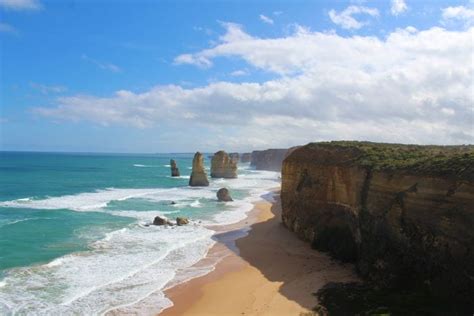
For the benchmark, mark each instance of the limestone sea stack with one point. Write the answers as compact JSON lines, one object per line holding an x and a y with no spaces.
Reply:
{"x":198,"y":174}
{"x":174,"y":168}
{"x":403,"y":213}
{"x":222,"y":166}
{"x":223,"y":195}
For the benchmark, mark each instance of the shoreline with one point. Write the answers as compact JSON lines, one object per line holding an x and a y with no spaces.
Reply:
{"x":262,"y":269}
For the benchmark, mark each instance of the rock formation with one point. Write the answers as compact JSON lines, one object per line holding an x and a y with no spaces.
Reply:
{"x":223,"y":195}
{"x":270,"y":159}
{"x":222,"y":166}
{"x":245,"y":157}
{"x":234,"y":157}
{"x":198,"y":174}
{"x":174,"y":168}
{"x":160,"y":221}
{"x":180,"y":221}
{"x":403,"y":213}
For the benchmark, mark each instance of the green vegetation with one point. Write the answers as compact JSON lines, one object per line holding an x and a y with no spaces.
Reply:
{"x":455,"y":161}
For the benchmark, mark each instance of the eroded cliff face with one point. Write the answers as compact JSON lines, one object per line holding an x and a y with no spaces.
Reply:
{"x":245,"y":157}
{"x":269,"y":159}
{"x":401,"y":227}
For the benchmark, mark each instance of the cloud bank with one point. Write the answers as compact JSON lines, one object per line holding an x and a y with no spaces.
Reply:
{"x":411,"y":86}
{"x":20,"y":5}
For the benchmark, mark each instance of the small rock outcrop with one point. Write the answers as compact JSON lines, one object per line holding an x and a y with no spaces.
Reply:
{"x":223,"y":195}
{"x":174,"y":168}
{"x":245,"y":157}
{"x":180,"y":221}
{"x":222,"y":166}
{"x":160,"y":221}
{"x":198,"y":174}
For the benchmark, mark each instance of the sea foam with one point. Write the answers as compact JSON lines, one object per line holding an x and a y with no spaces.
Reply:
{"x":127,"y":270}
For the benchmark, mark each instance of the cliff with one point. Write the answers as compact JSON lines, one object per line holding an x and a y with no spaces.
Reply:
{"x":403,"y":213}
{"x":270,"y":159}
{"x":245,"y":157}
{"x":223,"y":166}
{"x":198,"y":174}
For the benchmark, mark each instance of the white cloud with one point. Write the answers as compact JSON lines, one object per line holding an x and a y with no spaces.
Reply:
{"x":459,"y":13}
{"x":412,"y":86}
{"x":277,"y":13}
{"x":346,"y":20}
{"x":398,"y":7}
{"x":47,"y":89}
{"x":7,"y":28}
{"x":265,"y":19}
{"x":239,"y":73}
{"x":102,"y":65}
{"x":20,"y":5}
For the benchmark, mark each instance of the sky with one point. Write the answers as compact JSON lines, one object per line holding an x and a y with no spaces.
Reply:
{"x":180,"y":76}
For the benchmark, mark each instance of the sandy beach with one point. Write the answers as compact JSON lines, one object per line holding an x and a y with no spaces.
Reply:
{"x":269,"y":271}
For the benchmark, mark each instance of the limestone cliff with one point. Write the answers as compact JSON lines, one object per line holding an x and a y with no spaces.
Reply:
{"x":245,"y":157}
{"x":270,"y":159}
{"x":198,"y":174}
{"x":223,"y":166}
{"x":404,"y":214}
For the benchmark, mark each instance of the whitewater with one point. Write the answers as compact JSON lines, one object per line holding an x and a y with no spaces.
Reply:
{"x":87,"y":247}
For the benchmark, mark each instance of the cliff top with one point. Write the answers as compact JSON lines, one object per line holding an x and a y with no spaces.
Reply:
{"x":434,"y":160}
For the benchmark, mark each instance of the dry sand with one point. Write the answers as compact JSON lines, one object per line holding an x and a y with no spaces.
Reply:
{"x":268,"y":272}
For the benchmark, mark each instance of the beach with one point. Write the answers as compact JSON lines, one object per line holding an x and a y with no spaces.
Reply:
{"x":268,"y":271}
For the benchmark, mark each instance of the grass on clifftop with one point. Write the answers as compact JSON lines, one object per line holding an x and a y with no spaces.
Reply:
{"x":439,"y":160}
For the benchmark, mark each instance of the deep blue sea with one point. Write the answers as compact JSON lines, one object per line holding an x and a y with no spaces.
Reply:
{"x":74,"y":233}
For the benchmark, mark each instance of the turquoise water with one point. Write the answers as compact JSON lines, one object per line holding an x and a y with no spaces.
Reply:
{"x":74,"y":233}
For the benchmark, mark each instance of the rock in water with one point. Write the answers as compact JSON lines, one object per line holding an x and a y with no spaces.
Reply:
{"x":174,"y":168}
{"x":198,"y":175}
{"x":159,"y":221}
{"x":223,"y":195}
{"x":180,"y":221}
{"x":222,"y":166}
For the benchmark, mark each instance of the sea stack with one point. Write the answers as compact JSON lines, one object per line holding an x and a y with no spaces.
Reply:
{"x":222,"y":166}
{"x":174,"y":168}
{"x":198,"y":175}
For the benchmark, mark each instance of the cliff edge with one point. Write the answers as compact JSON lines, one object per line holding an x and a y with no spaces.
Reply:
{"x":403,"y":213}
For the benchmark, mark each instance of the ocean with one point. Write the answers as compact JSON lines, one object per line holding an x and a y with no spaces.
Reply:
{"x":75,"y":235}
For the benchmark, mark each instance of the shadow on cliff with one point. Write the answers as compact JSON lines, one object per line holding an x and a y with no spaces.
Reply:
{"x":281,"y":257}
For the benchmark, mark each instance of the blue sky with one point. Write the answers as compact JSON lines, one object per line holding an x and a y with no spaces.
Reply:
{"x":167,"y":76}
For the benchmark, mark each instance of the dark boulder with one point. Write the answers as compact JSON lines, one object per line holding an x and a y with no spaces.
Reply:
{"x":223,"y":195}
